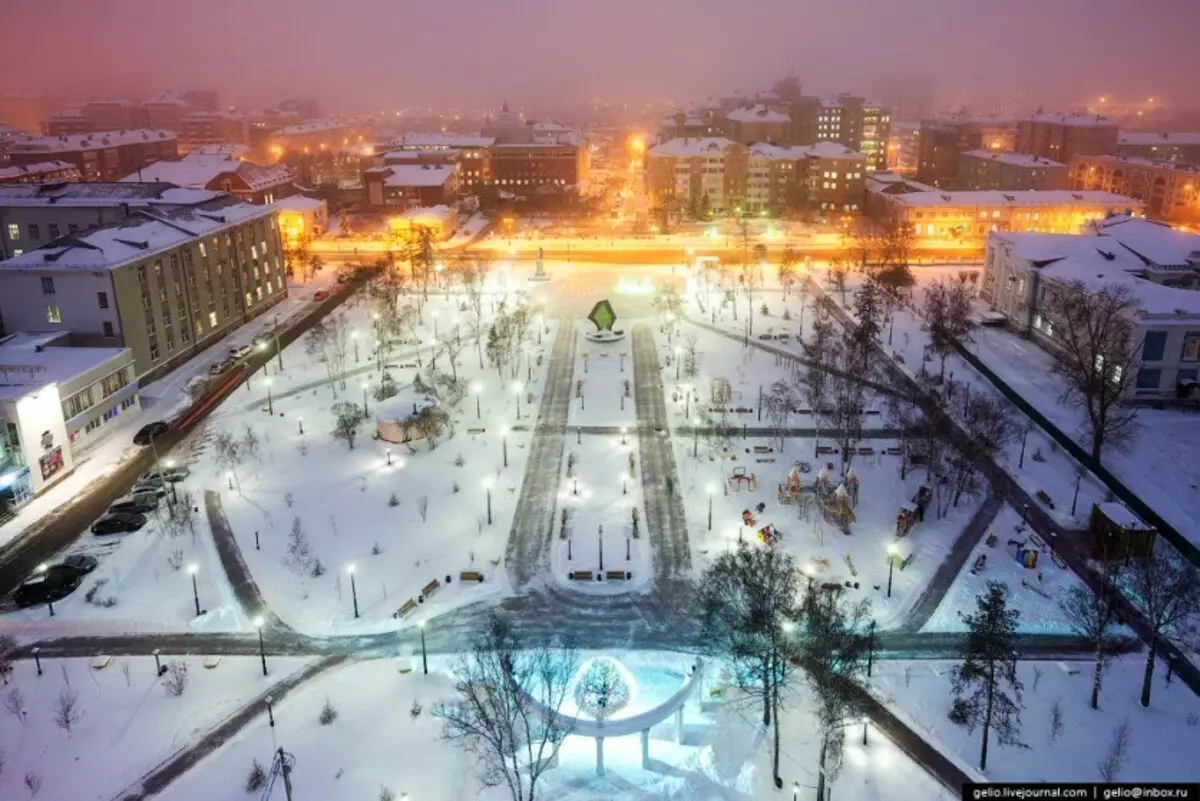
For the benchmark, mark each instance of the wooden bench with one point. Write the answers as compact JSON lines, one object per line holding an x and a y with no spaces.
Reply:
{"x":763,"y":449}
{"x":408,"y":606}
{"x":580,"y":575}
{"x":617,"y":575}
{"x":1044,"y":498}
{"x":769,"y":460}
{"x":430,"y":588}
{"x":471,"y":575}
{"x":894,"y":451}
{"x":826,"y":450}
{"x":476,"y":430}
{"x":866,"y":451}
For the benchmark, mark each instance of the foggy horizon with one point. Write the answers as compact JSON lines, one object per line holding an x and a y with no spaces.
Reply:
{"x":360,"y":56}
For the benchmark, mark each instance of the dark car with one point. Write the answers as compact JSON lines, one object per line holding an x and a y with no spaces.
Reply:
{"x":51,"y":584}
{"x":80,"y":563}
{"x":149,"y":432}
{"x":137,"y":504}
{"x":118,"y":523}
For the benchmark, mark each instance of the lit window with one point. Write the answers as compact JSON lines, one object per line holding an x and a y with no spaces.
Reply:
{"x":14,"y":232}
{"x":53,"y":315}
{"x":212,"y":319}
{"x":203,"y":251}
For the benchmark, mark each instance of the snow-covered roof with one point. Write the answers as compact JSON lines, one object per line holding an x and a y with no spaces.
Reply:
{"x":418,"y":174}
{"x":90,"y":141}
{"x":167,"y":98}
{"x":1029,"y":197}
{"x":430,"y":213}
{"x":102,"y":194}
{"x":549,"y":126}
{"x":299,"y":203}
{"x":1118,"y":513}
{"x":1156,"y":243}
{"x":315,"y":126}
{"x":406,"y":405}
{"x":1074,"y":119}
{"x":1152,"y":138}
{"x":223,"y":149}
{"x":41,"y":168}
{"x":1097,"y":261}
{"x":200,"y":169}
{"x":691,"y":146}
{"x":58,"y":363}
{"x":827,"y":149}
{"x":1015,"y":159}
{"x":142,"y":234}
{"x":1137,"y":161}
{"x":440,"y":141}
{"x":757,"y":114}
{"x":823,"y":149}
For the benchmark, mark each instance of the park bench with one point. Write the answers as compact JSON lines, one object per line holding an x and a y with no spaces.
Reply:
{"x":895,"y":451}
{"x":580,"y":575}
{"x":617,"y":575}
{"x":476,"y":430}
{"x":430,"y":588}
{"x":826,"y":450}
{"x":408,"y":606}
{"x":1044,"y":498}
{"x":866,"y":451}
{"x":471,"y":575}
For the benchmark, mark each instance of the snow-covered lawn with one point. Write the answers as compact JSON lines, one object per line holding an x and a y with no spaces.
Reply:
{"x":124,"y":726}
{"x":436,"y":527}
{"x":1162,"y":742}
{"x":376,"y":742}
{"x":1036,"y":592}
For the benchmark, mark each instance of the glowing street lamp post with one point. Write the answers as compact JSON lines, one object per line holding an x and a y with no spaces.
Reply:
{"x":192,"y":569}
{"x":354,"y":336}
{"x":517,"y":387}
{"x":710,"y":497}
{"x":262,"y":649}
{"x":487,"y":485}
{"x":892,"y":550}
{"x":270,"y":402}
{"x":504,"y":443}
{"x":42,"y":568}
{"x":353,"y":589}
{"x":424,"y":656}
{"x":477,"y":388}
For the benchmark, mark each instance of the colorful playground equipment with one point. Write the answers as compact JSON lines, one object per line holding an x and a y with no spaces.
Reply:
{"x":768,"y":535}
{"x":739,"y":476}
{"x":1026,"y":557}
{"x":913,"y":511}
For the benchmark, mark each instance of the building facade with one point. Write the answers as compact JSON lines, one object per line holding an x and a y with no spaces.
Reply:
{"x":1058,"y":138}
{"x":1021,"y":272}
{"x":757,"y":123}
{"x":983,"y":169}
{"x":100,"y":156}
{"x":1183,"y":148}
{"x":200,"y":129}
{"x":532,"y":166}
{"x":46,"y":172}
{"x":245,"y":180}
{"x":969,"y":217}
{"x":411,"y":185}
{"x":165,"y":285}
{"x":1169,"y":190}
{"x":939,"y":144}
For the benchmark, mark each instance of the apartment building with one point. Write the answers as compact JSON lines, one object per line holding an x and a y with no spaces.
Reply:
{"x":44,"y":172}
{"x":1058,"y":138}
{"x":970,"y":216}
{"x":100,"y":156}
{"x":984,"y":169}
{"x":165,"y":111}
{"x":697,"y":175}
{"x":66,"y":122}
{"x":471,"y":153}
{"x":939,"y":144}
{"x":1169,"y":190}
{"x":757,"y":123}
{"x":530,"y":166}
{"x":165,"y":284}
{"x":200,"y":129}
{"x":1021,"y":271}
{"x":32,"y":215}
{"x":411,"y":185}
{"x":245,"y":180}
{"x":1183,"y":148}
{"x":704,"y":122}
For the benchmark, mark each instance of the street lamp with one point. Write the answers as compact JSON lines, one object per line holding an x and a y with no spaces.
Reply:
{"x":711,"y":489}
{"x":262,"y":649}
{"x":624,"y":483}
{"x":476,"y":388}
{"x":270,"y":711}
{"x":229,"y":477}
{"x":517,"y":387}
{"x":623,"y":430}
{"x":195,"y":589}
{"x":487,"y":485}
{"x":504,"y":443}
{"x":300,"y":422}
{"x":353,"y":589}
{"x":424,"y":656}
{"x":42,"y":568}
{"x":388,"y":451}
{"x":354,"y":337}
{"x":893,"y":549}
{"x":678,"y":358}
{"x":270,"y":405}
{"x":365,"y":409}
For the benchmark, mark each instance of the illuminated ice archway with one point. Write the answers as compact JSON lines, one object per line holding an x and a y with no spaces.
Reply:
{"x":604,"y":726}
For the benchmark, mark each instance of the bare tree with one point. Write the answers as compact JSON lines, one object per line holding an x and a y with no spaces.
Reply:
{"x":869,"y":312}
{"x":819,"y":349}
{"x":948,"y":315}
{"x":338,"y":344}
{"x":511,"y":690}
{"x":1113,"y":763}
{"x":34,"y":783}
{"x":888,"y":245}
{"x":423,"y":507}
{"x":1056,"y":720}
{"x":1098,"y":354}
{"x":227,"y":452}
{"x":432,"y":423}
{"x":749,"y":600}
{"x":779,"y":402}
{"x":14,"y":702}
{"x":989,"y":665}
{"x":1165,"y":589}
{"x":787,"y":269}
{"x":1091,"y":615}
{"x":176,"y":678}
{"x":8,"y":646}
{"x":312,"y":266}
{"x":299,"y":556}
{"x":348,"y":417}
{"x":990,"y":426}
{"x":67,"y":712}
{"x":251,"y":445}
{"x":318,"y":344}
{"x":690,"y":355}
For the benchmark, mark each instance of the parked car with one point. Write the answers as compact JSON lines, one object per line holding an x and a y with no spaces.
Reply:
{"x":81,"y":563}
{"x":156,"y":488}
{"x":118,"y":523}
{"x":241,"y":351}
{"x":166,"y":474}
{"x":320,"y":295}
{"x":149,"y":432}
{"x":262,"y":338}
{"x":222,"y":366}
{"x":51,"y":584}
{"x":140,"y":503}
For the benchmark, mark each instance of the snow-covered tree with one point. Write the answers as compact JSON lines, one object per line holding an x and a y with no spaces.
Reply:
{"x":1165,"y":589}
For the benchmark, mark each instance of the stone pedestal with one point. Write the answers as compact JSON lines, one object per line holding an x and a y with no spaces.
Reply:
{"x":599,"y":756}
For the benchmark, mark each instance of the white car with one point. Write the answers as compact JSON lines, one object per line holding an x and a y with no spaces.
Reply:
{"x":166,"y":474}
{"x":241,"y":351}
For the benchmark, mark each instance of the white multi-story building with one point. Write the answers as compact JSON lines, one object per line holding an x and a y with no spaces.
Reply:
{"x":1160,"y":265}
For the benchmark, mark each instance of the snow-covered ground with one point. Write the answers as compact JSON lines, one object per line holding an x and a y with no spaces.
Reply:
{"x":125,"y":724}
{"x":1162,"y":738}
{"x":724,"y":754}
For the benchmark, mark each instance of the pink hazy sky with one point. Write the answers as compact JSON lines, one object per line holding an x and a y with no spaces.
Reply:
{"x":358,"y":54}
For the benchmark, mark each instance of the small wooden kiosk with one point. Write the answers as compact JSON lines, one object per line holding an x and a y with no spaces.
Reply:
{"x":1119,"y":534}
